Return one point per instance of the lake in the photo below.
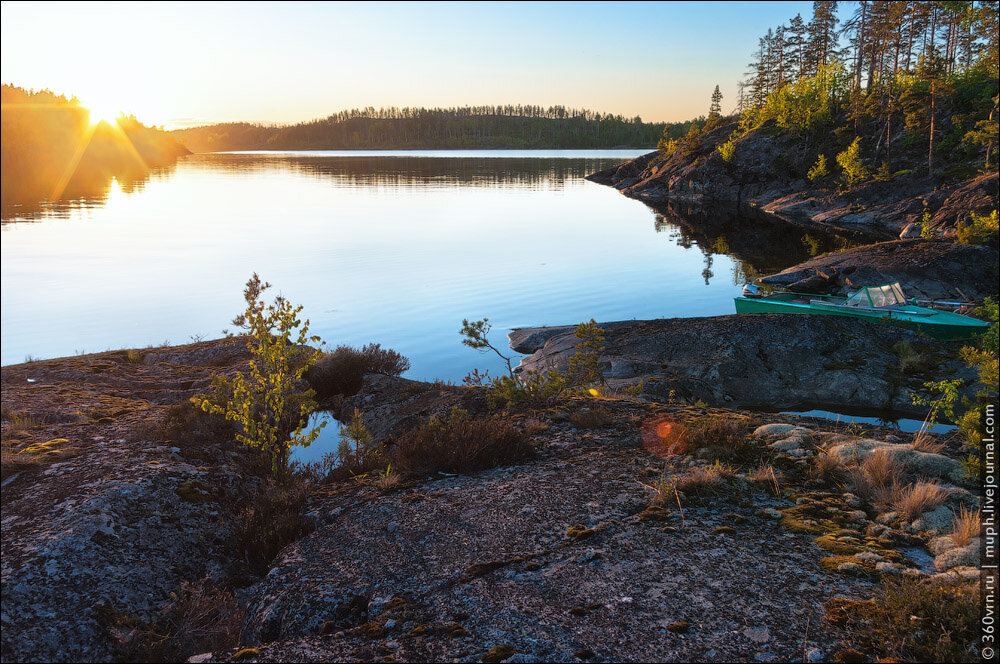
(388, 247)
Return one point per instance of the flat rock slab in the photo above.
(550, 558)
(931, 269)
(768, 361)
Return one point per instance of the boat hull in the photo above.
(938, 324)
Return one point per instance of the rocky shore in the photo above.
(760, 183)
(759, 361)
(572, 555)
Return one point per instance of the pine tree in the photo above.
(822, 30)
(796, 46)
(714, 110)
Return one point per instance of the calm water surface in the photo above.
(388, 247)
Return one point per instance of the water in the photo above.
(388, 247)
(905, 425)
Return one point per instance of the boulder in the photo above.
(965, 556)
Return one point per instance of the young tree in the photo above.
(270, 410)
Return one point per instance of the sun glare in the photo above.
(103, 113)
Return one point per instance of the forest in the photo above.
(507, 126)
(897, 88)
(51, 150)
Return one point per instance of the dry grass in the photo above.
(19, 421)
(765, 475)
(705, 480)
(11, 462)
(877, 478)
(725, 439)
(966, 526)
(913, 500)
(387, 479)
(201, 618)
(923, 441)
(828, 467)
(591, 418)
(913, 620)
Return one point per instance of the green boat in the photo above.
(876, 303)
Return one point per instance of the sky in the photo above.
(178, 64)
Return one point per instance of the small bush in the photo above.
(724, 439)
(342, 371)
(270, 521)
(913, 500)
(966, 525)
(357, 452)
(853, 170)
(184, 424)
(917, 620)
(460, 444)
(584, 364)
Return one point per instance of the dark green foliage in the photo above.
(507, 126)
(460, 444)
(342, 371)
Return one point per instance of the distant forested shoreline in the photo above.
(51, 150)
(483, 127)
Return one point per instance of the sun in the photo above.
(103, 112)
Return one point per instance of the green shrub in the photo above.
(342, 371)
(460, 444)
(727, 150)
(984, 229)
(357, 452)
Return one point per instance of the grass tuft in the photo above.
(967, 525)
(913, 500)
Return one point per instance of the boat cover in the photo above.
(878, 297)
